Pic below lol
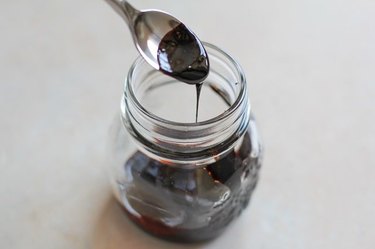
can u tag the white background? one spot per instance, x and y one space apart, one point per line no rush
311 74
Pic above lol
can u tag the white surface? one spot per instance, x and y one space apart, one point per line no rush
311 72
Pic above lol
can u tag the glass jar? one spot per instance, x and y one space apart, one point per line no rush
176 178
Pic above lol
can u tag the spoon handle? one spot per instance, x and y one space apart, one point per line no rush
125 10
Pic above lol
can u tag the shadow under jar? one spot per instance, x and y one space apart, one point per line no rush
176 178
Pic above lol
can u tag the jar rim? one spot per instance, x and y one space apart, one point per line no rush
187 143
129 91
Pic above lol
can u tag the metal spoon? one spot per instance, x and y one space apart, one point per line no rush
165 43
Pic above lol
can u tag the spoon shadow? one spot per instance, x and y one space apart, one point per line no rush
114 230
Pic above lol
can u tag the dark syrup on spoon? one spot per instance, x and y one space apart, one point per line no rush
182 56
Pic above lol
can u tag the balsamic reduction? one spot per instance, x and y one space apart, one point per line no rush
182 56
198 88
190 204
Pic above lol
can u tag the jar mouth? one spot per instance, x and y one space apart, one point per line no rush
182 142
129 91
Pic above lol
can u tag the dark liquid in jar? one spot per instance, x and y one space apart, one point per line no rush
189 204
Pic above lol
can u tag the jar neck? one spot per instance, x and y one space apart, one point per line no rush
189 143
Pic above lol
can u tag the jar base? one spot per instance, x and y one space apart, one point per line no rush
177 235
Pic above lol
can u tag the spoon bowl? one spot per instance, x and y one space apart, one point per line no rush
149 29
165 42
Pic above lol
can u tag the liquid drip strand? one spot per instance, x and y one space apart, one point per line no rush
182 56
198 89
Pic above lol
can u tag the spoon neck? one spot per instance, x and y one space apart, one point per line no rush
124 9
130 12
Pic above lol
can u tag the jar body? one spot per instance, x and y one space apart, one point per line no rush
177 199
186 204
